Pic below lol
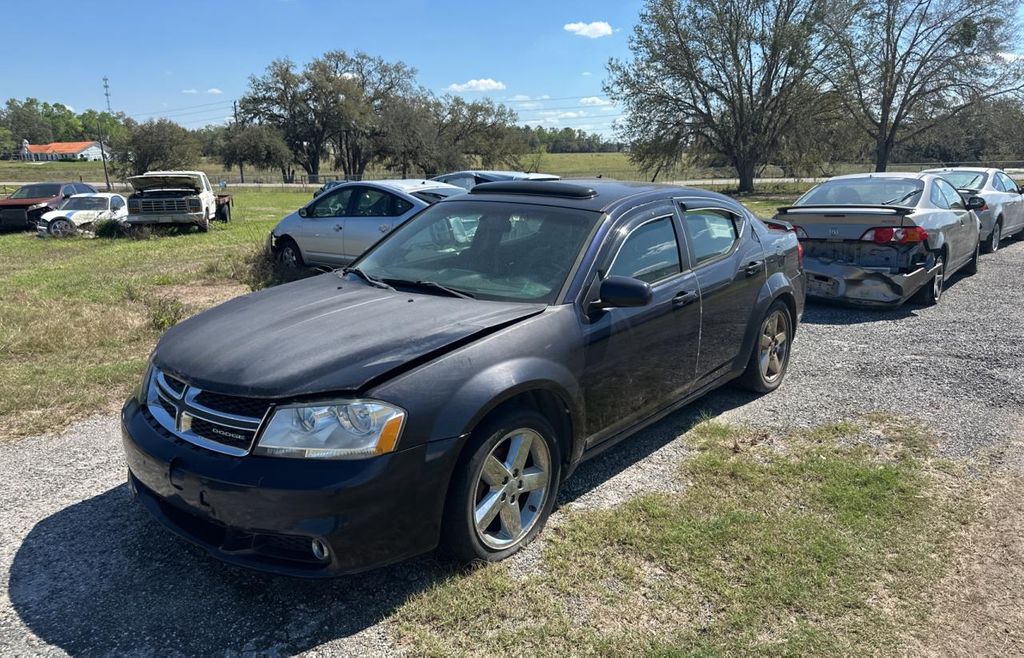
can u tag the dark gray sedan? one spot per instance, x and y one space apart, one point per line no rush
1003 212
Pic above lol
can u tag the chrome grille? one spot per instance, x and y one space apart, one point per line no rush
163 205
221 423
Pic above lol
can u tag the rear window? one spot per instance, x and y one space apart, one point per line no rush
36 191
966 180
435 195
865 192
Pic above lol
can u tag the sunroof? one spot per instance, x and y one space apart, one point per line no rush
536 188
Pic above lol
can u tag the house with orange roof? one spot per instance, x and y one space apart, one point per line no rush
61 151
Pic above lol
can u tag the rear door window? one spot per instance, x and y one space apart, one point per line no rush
711 233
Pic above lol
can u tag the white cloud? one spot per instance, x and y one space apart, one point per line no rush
483 84
190 91
594 30
587 73
595 101
519 98
214 90
1012 57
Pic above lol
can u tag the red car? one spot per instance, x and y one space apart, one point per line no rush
23 208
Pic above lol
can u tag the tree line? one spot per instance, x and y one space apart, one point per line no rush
808 83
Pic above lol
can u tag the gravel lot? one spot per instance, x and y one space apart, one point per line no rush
89 574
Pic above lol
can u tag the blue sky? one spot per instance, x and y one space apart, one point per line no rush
551 53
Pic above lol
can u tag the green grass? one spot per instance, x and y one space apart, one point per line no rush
806 544
78 317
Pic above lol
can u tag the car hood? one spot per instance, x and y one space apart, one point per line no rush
19 203
322 335
165 182
76 216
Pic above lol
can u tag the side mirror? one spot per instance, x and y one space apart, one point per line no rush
302 212
975 203
623 292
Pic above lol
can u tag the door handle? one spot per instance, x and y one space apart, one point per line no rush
753 267
683 298
338 227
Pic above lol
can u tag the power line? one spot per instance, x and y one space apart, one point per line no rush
177 109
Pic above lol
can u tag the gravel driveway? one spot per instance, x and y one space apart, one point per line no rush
88 573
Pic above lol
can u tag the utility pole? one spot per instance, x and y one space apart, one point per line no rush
99 130
235 111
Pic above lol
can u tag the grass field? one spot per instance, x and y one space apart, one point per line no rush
570 165
810 543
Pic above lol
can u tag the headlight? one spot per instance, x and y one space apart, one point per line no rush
354 429
36 206
142 392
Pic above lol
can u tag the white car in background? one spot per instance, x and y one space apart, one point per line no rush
345 220
468 179
81 212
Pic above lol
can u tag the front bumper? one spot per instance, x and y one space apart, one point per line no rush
263 513
861 286
166 218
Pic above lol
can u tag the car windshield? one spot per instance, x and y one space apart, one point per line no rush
865 192
965 180
436 194
85 203
488 250
36 191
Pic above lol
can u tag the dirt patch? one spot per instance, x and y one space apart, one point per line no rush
979 607
201 296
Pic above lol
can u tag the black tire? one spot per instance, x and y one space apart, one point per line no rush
991 245
971 268
205 225
61 227
931 293
761 376
224 212
289 255
460 538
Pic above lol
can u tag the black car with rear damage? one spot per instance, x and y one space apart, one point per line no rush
441 388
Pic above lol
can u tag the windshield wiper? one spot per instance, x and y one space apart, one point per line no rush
901 199
376 283
430 285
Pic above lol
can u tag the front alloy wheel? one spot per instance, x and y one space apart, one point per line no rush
512 487
61 228
504 487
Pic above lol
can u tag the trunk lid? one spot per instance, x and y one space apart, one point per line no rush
840 223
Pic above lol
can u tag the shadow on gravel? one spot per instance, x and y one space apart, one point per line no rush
102 578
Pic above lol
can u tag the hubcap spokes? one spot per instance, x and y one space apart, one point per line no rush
773 347
995 238
512 488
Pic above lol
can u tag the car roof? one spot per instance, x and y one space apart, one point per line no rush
979 170
500 173
174 173
106 195
406 185
920 175
596 194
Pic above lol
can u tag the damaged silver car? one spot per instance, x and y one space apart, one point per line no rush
884 238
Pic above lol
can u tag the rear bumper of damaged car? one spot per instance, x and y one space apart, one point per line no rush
863 286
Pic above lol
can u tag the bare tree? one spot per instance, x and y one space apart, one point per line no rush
725 77
905 66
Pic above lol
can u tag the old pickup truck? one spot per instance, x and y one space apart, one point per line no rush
176 197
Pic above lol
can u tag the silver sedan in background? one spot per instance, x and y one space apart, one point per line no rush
1003 212
344 221
880 239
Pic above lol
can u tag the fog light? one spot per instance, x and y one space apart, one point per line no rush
320 550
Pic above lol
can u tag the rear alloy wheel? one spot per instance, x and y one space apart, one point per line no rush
767 366
61 228
992 244
972 266
504 489
931 293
